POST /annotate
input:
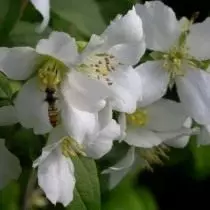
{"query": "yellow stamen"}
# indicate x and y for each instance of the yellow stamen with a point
(51, 72)
(71, 148)
(138, 118)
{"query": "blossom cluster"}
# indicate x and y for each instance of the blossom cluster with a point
(71, 90)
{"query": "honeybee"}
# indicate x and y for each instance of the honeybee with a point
(52, 108)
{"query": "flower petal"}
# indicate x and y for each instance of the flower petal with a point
(124, 29)
(56, 178)
(8, 116)
(130, 53)
(31, 108)
(160, 25)
(43, 6)
(141, 137)
(82, 92)
(18, 62)
(97, 145)
(118, 171)
(154, 81)
(193, 90)
(123, 126)
(54, 139)
(78, 123)
(177, 134)
(59, 45)
(10, 165)
(182, 141)
(203, 137)
(87, 86)
(198, 39)
(165, 115)
(127, 89)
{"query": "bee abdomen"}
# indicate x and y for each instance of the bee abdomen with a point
(53, 115)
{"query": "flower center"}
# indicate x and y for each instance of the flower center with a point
(51, 73)
(174, 60)
(99, 66)
(70, 147)
(138, 118)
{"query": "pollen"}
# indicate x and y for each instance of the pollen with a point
(51, 72)
(71, 148)
(99, 66)
(138, 118)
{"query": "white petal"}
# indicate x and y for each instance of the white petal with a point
(204, 136)
(123, 126)
(154, 81)
(8, 116)
(193, 90)
(98, 144)
(18, 62)
(80, 91)
(124, 29)
(59, 45)
(199, 38)
(141, 137)
(182, 141)
(129, 54)
(31, 108)
(78, 123)
(9, 165)
(43, 6)
(105, 115)
(95, 43)
(56, 178)
(91, 88)
(118, 171)
(127, 89)
(165, 115)
(54, 140)
(176, 134)
(160, 25)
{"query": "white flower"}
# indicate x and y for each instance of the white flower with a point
(162, 122)
(43, 6)
(109, 59)
(55, 168)
(50, 66)
(181, 50)
(154, 124)
(10, 168)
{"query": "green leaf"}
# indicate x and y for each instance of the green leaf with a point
(14, 12)
(5, 88)
(24, 34)
(9, 197)
(85, 15)
(201, 155)
(87, 191)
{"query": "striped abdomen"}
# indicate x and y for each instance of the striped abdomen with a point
(53, 114)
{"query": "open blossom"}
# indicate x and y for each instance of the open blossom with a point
(154, 124)
(49, 65)
(10, 168)
(55, 167)
(109, 57)
(181, 51)
(43, 6)
(163, 122)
